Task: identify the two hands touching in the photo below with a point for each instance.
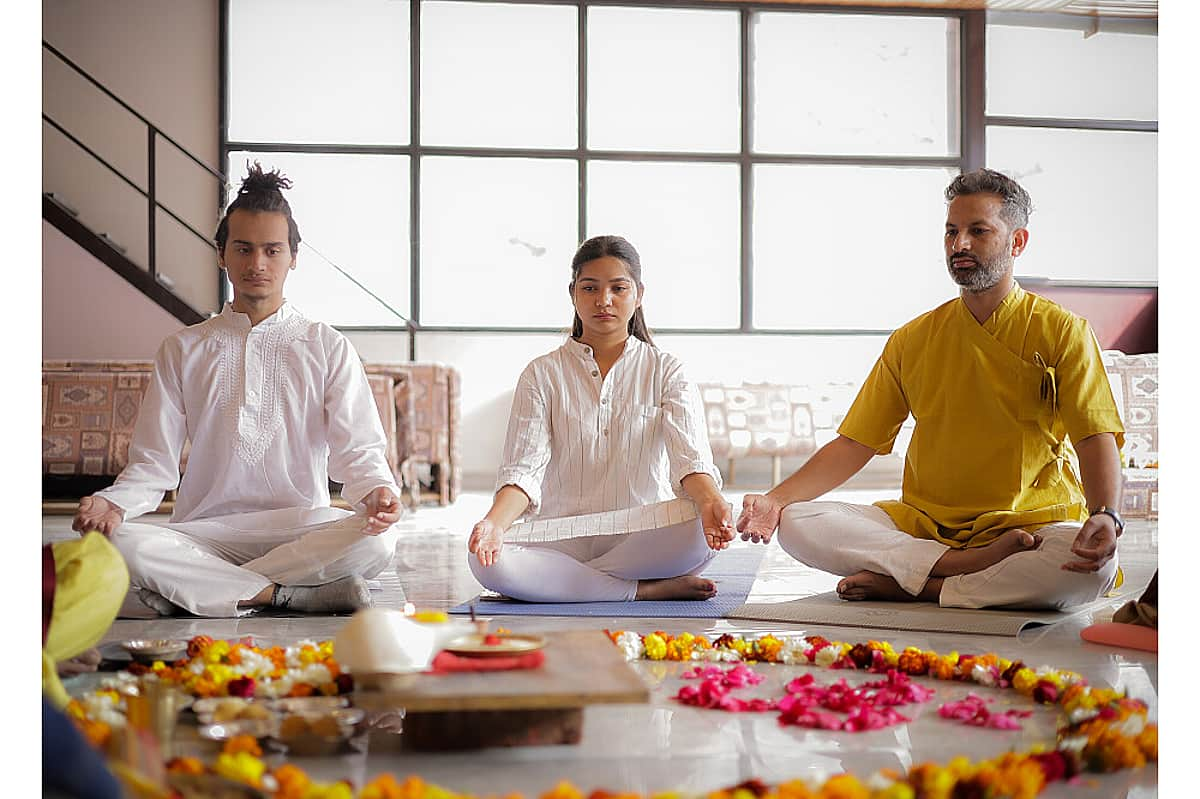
(487, 537)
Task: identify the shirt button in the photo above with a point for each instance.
(605, 432)
(595, 373)
(604, 401)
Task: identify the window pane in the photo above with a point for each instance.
(352, 211)
(1095, 200)
(310, 71)
(497, 238)
(846, 84)
(838, 247)
(683, 220)
(495, 75)
(663, 80)
(1063, 73)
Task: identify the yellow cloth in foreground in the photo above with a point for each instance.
(994, 406)
(90, 583)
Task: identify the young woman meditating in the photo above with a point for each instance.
(605, 422)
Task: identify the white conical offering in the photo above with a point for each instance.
(384, 641)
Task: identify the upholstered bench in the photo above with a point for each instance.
(89, 409)
(1134, 381)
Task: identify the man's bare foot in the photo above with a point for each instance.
(882, 588)
(685, 587)
(88, 660)
(966, 561)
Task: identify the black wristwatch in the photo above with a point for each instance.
(1116, 517)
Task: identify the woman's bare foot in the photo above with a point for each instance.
(685, 587)
(966, 561)
(881, 587)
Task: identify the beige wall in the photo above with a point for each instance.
(89, 312)
(161, 58)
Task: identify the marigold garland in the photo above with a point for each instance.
(1102, 730)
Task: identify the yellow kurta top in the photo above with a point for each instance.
(994, 406)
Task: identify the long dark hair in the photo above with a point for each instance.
(623, 251)
(261, 192)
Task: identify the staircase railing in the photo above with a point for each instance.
(153, 136)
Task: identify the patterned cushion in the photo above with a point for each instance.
(1134, 381)
(758, 419)
(87, 420)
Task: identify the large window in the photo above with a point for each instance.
(778, 170)
(1072, 113)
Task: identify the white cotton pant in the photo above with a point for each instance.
(844, 539)
(207, 566)
(597, 568)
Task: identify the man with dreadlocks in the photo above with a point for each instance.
(274, 405)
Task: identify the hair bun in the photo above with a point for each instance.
(259, 182)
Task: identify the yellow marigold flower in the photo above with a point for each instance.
(242, 743)
(308, 655)
(216, 651)
(743, 793)
(74, 709)
(328, 688)
(769, 647)
(656, 647)
(326, 649)
(1147, 741)
(897, 790)
(666, 795)
(1024, 681)
(844, 786)
(157, 666)
(219, 673)
(335, 790)
(240, 767)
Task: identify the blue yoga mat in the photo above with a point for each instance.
(732, 570)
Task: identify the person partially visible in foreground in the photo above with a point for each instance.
(1005, 387)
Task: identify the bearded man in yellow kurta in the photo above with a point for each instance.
(997, 509)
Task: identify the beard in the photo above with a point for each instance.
(981, 277)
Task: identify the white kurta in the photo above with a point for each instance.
(273, 411)
(577, 444)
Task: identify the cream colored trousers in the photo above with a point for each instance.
(597, 568)
(207, 566)
(844, 539)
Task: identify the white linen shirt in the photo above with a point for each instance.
(577, 444)
(272, 411)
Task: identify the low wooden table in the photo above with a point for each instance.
(522, 707)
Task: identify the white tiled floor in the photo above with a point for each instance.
(663, 745)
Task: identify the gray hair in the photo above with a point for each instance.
(1017, 204)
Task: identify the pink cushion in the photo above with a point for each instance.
(1130, 636)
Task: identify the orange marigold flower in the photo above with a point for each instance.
(382, 787)
(328, 689)
(242, 743)
(97, 733)
(197, 645)
(293, 782)
(794, 789)
(1147, 741)
(843, 786)
(564, 790)
(185, 765)
(301, 689)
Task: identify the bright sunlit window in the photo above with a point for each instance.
(778, 170)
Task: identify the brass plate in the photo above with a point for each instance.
(510, 644)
